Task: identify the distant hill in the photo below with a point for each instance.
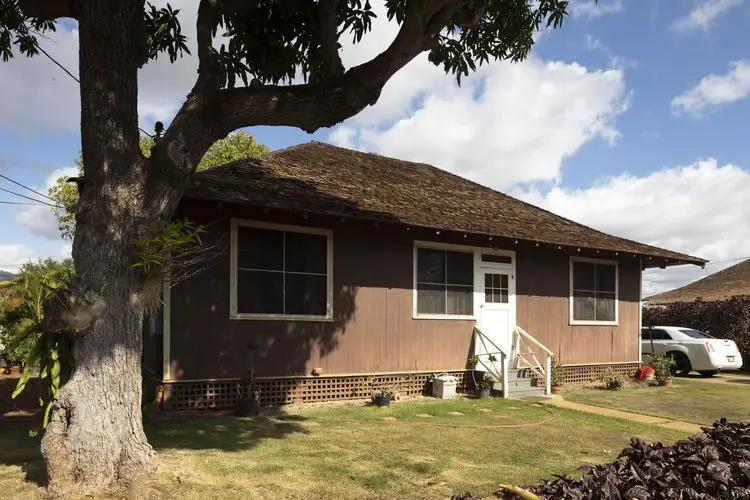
(5, 275)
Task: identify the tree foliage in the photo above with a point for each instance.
(43, 353)
(234, 147)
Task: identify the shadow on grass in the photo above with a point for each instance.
(216, 431)
(207, 431)
(19, 450)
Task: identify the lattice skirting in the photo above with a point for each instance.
(192, 395)
(591, 373)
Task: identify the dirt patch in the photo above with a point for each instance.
(390, 418)
(486, 410)
(423, 415)
(456, 413)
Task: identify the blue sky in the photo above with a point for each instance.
(615, 121)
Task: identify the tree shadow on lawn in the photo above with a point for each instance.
(204, 431)
(220, 430)
(19, 450)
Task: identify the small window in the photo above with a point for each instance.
(445, 282)
(594, 292)
(281, 273)
(498, 259)
(496, 288)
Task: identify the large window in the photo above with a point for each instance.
(281, 272)
(445, 282)
(593, 292)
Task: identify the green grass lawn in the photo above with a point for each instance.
(687, 400)
(357, 452)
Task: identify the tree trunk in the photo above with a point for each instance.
(95, 436)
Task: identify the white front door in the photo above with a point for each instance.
(494, 290)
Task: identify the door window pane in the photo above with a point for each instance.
(496, 288)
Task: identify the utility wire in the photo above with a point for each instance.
(73, 76)
(18, 203)
(32, 199)
(27, 187)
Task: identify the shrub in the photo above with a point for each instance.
(662, 365)
(558, 373)
(729, 319)
(612, 380)
(714, 463)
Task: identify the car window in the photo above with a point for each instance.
(695, 334)
(655, 334)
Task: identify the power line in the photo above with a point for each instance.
(32, 199)
(26, 187)
(73, 76)
(18, 203)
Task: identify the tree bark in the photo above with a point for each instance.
(95, 436)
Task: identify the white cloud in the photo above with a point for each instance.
(591, 9)
(51, 99)
(39, 219)
(698, 209)
(507, 123)
(11, 256)
(714, 90)
(704, 15)
(616, 62)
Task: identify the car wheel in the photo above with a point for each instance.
(708, 373)
(682, 365)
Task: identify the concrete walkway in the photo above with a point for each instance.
(556, 400)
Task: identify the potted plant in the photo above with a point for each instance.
(557, 377)
(484, 385)
(662, 365)
(248, 402)
(382, 398)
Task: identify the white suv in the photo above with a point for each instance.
(691, 349)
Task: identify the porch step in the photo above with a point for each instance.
(528, 393)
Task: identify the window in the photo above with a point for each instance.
(498, 259)
(495, 288)
(445, 282)
(656, 334)
(281, 272)
(593, 292)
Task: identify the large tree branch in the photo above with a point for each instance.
(49, 10)
(210, 72)
(208, 116)
(331, 66)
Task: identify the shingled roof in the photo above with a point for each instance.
(320, 178)
(731, 282)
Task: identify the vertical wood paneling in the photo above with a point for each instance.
(373, 329)
(543, 289)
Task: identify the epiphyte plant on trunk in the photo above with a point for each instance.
(265, 46)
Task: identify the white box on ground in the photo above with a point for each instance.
(444, 386)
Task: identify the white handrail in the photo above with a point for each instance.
(503, 375)
(528, 336)
(546, 372)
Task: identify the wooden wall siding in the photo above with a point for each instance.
(373, 330)
(543, 310)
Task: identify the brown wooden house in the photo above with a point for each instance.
(341, 266)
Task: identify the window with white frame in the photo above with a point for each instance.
(282, 271)
(444, 282)
(593, 291)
